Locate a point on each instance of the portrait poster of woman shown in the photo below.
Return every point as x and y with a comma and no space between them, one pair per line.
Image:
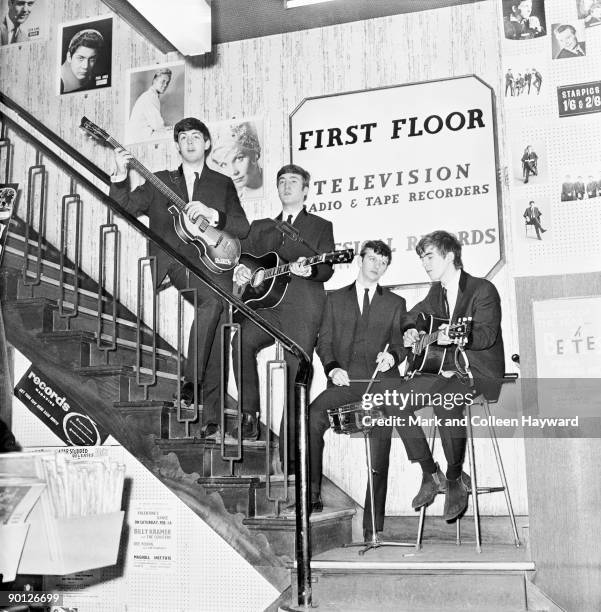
238,153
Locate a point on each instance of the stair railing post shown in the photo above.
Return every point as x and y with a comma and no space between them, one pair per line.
273,365
226,331
38,169
71,198
148,379
107,229
193,413
301,484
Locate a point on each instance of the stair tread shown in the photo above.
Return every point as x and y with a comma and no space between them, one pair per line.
193,441
435,556
144,404
103,370
289,519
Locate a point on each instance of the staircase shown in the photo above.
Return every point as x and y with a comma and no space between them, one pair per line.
230,496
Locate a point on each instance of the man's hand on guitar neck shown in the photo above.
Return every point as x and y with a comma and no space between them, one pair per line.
122,160
299,268
242,274
410,337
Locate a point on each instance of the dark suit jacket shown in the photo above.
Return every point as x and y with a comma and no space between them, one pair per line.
479,299
341,316
214,189
567,53
532,214
307,293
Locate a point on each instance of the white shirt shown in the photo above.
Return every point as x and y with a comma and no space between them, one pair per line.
360,289
145,121
452,287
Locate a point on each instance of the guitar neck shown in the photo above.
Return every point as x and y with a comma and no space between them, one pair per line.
151,178
285,268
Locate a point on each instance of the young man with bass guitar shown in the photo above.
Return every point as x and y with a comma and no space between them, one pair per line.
212,201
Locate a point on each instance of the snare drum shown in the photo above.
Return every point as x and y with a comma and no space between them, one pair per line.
348,418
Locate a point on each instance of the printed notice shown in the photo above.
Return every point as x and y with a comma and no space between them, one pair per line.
152,543
579,99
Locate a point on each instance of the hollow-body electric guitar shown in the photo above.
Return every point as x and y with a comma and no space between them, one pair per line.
428,357
270,276
218,250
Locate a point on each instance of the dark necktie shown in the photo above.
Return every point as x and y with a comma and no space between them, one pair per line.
195,186
15,34
446,303
365,311
289,220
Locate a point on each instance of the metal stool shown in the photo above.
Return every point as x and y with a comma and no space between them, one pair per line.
475,489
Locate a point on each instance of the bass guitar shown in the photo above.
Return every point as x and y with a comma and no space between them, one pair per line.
270,276
428,357
218,250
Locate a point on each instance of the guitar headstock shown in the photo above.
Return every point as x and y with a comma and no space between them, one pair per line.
93,130
343,256
459,332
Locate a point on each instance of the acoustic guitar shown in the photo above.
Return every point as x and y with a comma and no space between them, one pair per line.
428,357
270,276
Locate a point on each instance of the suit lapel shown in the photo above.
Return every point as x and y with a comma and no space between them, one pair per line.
461,303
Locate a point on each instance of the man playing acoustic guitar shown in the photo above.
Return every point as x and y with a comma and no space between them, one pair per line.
453,294
294,235
212,196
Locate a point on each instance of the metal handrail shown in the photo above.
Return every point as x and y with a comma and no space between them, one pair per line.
303,543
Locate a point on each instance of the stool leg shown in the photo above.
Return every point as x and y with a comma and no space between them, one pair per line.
495,444
422,511
472,460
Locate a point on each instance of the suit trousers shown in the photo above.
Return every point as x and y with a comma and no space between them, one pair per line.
300,325
447,397
380,446
211,313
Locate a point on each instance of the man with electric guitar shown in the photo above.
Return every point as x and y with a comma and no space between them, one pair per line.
197,211
294,235
440,369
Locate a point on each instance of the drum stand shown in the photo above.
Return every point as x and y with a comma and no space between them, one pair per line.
375,540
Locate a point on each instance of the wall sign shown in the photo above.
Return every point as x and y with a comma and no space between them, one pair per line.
579,99
65,417
399,162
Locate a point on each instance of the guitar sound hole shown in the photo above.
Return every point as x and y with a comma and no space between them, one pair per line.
258,278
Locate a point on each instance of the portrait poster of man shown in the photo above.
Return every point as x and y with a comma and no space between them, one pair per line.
155,102
568,40
238,153
23,21
590,12
524,19
85,54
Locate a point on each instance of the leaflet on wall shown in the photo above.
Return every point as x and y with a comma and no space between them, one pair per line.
153,542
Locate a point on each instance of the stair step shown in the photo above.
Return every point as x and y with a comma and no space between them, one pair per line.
118,383
440,576
125,354
329,529
204,457
237,493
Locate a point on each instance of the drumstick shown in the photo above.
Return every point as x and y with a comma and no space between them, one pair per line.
372,380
